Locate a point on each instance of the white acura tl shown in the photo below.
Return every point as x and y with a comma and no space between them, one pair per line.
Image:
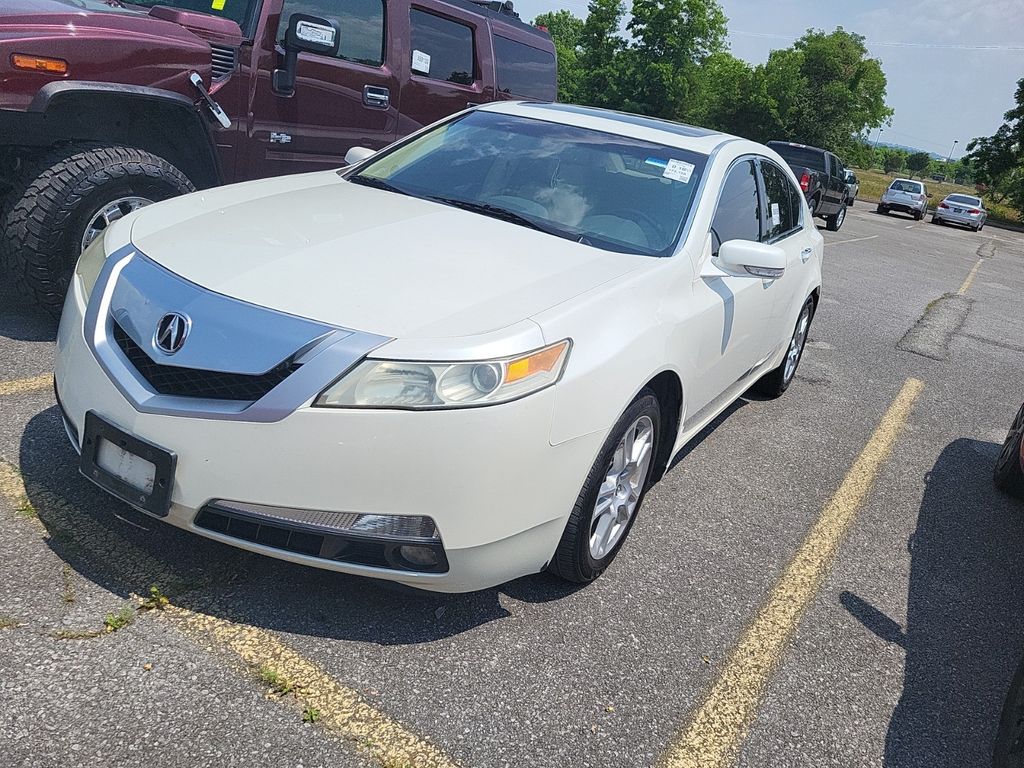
458,361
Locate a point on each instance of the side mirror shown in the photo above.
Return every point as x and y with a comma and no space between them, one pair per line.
755,259
358,154
311,34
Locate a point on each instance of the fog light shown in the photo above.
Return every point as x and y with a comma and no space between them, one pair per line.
425,557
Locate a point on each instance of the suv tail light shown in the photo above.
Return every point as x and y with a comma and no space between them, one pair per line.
805,181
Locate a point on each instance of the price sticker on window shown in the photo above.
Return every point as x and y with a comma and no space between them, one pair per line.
776,215
421,62
678,170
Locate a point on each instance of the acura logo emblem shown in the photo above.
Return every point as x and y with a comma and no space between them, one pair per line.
171,332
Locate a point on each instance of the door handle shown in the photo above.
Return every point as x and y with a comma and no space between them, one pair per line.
805,254
377,97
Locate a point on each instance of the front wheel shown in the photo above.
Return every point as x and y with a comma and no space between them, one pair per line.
611,495
64,200
835,221
777,381
882,209
1008,474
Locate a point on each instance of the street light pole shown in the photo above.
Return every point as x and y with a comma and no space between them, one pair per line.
950,157
875,145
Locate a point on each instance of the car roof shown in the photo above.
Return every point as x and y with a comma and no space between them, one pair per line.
652,129
912,181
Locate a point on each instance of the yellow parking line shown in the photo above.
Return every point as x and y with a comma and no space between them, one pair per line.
18,386
342,709
970,278
716,730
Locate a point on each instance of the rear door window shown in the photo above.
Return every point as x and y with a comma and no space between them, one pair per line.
783,218
523,70
442,49
361,23
738,216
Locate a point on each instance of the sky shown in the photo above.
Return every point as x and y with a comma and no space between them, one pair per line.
952,65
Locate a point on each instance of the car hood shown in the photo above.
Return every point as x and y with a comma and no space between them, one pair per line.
319,247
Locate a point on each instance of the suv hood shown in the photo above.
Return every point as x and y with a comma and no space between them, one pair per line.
319,247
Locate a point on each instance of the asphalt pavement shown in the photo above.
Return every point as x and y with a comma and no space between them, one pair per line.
908,632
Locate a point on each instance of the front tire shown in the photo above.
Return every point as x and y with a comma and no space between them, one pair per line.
777,381
1008,474
64,199
835,221
611,495
883,209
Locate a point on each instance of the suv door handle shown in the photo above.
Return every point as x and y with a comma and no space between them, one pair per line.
805,254
377,97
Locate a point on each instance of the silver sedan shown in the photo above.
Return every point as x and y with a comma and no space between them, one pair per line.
961,209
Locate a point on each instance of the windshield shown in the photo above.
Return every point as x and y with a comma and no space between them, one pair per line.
964,200
906,186
239,11
805,156
608,191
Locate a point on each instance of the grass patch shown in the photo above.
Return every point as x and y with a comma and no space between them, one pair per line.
156,601
119,620
278,683
8,622
874,183
310,715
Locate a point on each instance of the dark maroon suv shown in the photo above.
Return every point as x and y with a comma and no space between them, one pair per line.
106,106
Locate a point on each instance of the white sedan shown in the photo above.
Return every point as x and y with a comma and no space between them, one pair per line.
458,361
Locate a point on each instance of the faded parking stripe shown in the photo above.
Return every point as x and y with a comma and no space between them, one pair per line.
342,710
716,730
34,384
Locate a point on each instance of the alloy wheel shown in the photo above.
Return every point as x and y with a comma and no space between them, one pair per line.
619,494
796,344
110,213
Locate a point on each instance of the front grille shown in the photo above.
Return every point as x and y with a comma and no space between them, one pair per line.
307,540
195,382
223,58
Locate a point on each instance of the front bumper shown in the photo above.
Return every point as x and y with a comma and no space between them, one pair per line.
497,490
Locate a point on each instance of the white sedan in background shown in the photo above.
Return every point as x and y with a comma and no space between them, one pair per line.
458,361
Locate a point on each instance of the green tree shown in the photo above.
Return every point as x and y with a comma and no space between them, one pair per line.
730,95
997,161
599,59
566,32
893,160
917,163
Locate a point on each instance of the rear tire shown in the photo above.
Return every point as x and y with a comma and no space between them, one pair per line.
1007,474
835,221
883,209
65,193
580,557
777,381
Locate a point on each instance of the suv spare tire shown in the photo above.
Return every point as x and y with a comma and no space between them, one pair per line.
63,199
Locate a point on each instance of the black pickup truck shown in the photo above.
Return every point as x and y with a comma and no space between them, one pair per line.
822,178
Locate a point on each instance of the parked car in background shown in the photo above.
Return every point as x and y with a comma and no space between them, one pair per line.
822,179
518,295
1009,469
907,196
106,107
852,186
961,209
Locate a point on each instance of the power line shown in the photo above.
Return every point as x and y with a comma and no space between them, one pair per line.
899,44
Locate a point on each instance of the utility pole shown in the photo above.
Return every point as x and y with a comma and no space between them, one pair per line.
950,157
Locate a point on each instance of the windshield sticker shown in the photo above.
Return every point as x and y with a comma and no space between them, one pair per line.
776,215
421,62
678,170
656,161
218,5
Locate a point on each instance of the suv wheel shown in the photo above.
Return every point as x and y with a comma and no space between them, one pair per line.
835,221
64,200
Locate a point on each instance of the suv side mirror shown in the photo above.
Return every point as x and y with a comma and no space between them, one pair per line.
755,259
311,34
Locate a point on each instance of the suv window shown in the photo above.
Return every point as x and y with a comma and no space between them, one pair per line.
441,49
914,187
782,215
805,156
361,23
523,70
738,216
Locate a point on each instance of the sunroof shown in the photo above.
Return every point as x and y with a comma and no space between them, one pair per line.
680,129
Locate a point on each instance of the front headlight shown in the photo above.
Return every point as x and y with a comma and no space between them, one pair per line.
90,263
425,385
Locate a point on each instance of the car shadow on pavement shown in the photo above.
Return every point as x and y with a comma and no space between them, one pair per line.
21,322
965,615
119,548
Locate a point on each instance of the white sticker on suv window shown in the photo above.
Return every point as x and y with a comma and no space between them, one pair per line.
421,62
776,215
678,170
